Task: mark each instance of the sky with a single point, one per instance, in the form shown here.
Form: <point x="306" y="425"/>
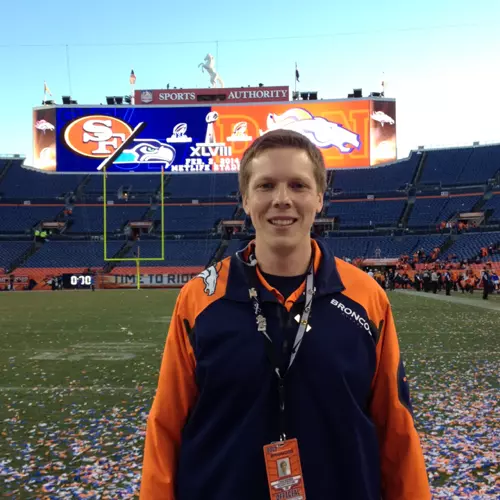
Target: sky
<point x="440" y="58"/>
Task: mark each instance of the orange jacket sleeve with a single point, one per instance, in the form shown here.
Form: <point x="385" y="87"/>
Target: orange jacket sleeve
<point x="175" y="396"/>
<point x="404" y="476"/>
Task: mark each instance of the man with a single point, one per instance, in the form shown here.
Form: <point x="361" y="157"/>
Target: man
<point x="485" y="281"/>
<point x="282" y="348"/>
<point x="448" y="282"/>
<point x="434" y="281"/>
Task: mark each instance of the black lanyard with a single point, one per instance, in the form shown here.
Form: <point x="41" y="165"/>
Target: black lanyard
<point x="262" y="328"/>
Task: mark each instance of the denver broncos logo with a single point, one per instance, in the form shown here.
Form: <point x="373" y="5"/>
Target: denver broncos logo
<point x="209" y="277"/>
<point x="321" y="132"/>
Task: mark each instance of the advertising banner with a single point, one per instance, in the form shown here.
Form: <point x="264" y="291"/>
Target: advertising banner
<point x="145" y="139"/>
<point x="18" y="282"/>
<point x="44" y="139"/>
<point x="151" y="278"/>
<point x="226" y="95"/>
<point x="120" y="277"/>
<point x="382" y="132"/>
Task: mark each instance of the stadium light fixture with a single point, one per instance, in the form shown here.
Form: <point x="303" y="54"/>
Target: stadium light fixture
<point x="66" y="99"/>
<point x="110" y="100"/>
<point x="118" y="99"/>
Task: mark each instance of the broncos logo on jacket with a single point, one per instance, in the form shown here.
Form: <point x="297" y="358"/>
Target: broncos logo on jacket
<point x="209" y="277"/>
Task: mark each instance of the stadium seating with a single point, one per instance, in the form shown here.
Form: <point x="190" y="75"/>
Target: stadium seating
<point x="457" y="205"/>
<point x="429" y="211"/>
<point x="366" y="213"/>
<point x="90" y="219"/>
<point x="462" y="165"/>
<point x="194" y="224"/>
<point x="202" y="186"/>
<point x="10" y="251"/>
<point x="72" y="254"/>
<point x="133" y="183"/>
<point x="374" y="180"/>
<point x="493" y="204"/>
<point x="469" y="245"/>
<point x="21" y="183"/>
<point x="371" y="247"/>
<point x="177" y="252"/>
<point x="194" y="218"/>
<point x="22" y="218"/>
<point x="382" y="246"/>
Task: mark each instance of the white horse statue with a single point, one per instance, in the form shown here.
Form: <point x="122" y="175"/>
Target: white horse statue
<point x="208" y="65"/>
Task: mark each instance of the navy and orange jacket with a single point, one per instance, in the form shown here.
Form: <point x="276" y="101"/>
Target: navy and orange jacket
<point x="347" y="396"/>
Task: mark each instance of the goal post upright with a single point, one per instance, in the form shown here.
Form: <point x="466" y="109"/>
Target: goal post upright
<point x="138" y="259"/>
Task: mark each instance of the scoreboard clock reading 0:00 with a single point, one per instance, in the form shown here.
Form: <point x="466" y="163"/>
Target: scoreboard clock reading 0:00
<point x="78" y="280"/>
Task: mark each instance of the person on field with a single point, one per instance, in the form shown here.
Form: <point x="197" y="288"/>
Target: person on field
<point x="486" y="283"/>
<point x="282" y="351"/>
<point x="448" y="282"/>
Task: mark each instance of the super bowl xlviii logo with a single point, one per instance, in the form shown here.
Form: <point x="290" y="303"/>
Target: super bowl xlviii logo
<point x="210" y="147"/>
<point x="239" y="133"/>
<point x="179" y="134"/>
<point x="146" y="96"/>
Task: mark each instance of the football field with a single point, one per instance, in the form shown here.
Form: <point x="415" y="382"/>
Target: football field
<point x="79" y="371"/>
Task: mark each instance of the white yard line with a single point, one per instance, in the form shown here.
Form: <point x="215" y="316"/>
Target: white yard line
<point x="483" y="304"/>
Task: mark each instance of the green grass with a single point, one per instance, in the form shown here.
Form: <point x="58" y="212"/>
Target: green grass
<point x="79" y="370"/>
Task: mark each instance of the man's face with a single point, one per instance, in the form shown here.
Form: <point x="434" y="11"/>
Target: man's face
<point x="282" y="198"/>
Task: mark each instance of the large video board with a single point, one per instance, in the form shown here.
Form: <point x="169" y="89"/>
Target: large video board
<point x="186" y="139"/>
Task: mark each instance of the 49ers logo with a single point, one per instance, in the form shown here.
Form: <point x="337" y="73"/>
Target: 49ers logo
<point x="96" y="136"/>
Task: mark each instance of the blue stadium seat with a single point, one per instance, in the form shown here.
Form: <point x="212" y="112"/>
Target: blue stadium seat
<point x="461" y="165"/>
<point x="382" y="246"/>
<point x="493" y="204"/>
<point x="431" y="211"/>
<point x="468" y="245"/>
<point x="10" y="251"/>
<point x="27" y="184"/>
<point x="370" y="247"/>
<point x="72" y="254"/>
<point x="362" y="213"/>
<point x="137" y="183"/>
<point x="22" y="218"/>
<point x="193" y="218"/>
<point x="90" y="219"/>
<point x="185" y="252"/>
<point x="376" y="179"/>
<point x="200" y="186"/>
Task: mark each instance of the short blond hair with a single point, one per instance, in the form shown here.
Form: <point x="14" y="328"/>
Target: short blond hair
<point x="280" y="139"/>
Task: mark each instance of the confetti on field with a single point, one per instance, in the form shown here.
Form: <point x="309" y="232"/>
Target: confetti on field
<point x="90" y="453"/>
<point x="83" y="437"/>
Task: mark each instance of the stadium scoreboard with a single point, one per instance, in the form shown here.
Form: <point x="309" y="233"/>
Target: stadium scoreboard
<point x="77" y="280"/>
<point x="350" y="133"/>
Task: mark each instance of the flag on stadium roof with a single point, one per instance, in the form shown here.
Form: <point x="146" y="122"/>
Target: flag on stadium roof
<point x="46" y="89"/>
<point x="297" y="75"/>
<point x="132" y="78"/>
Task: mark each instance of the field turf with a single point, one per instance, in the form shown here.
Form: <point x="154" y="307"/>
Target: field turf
<point x="79" y="370"/>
